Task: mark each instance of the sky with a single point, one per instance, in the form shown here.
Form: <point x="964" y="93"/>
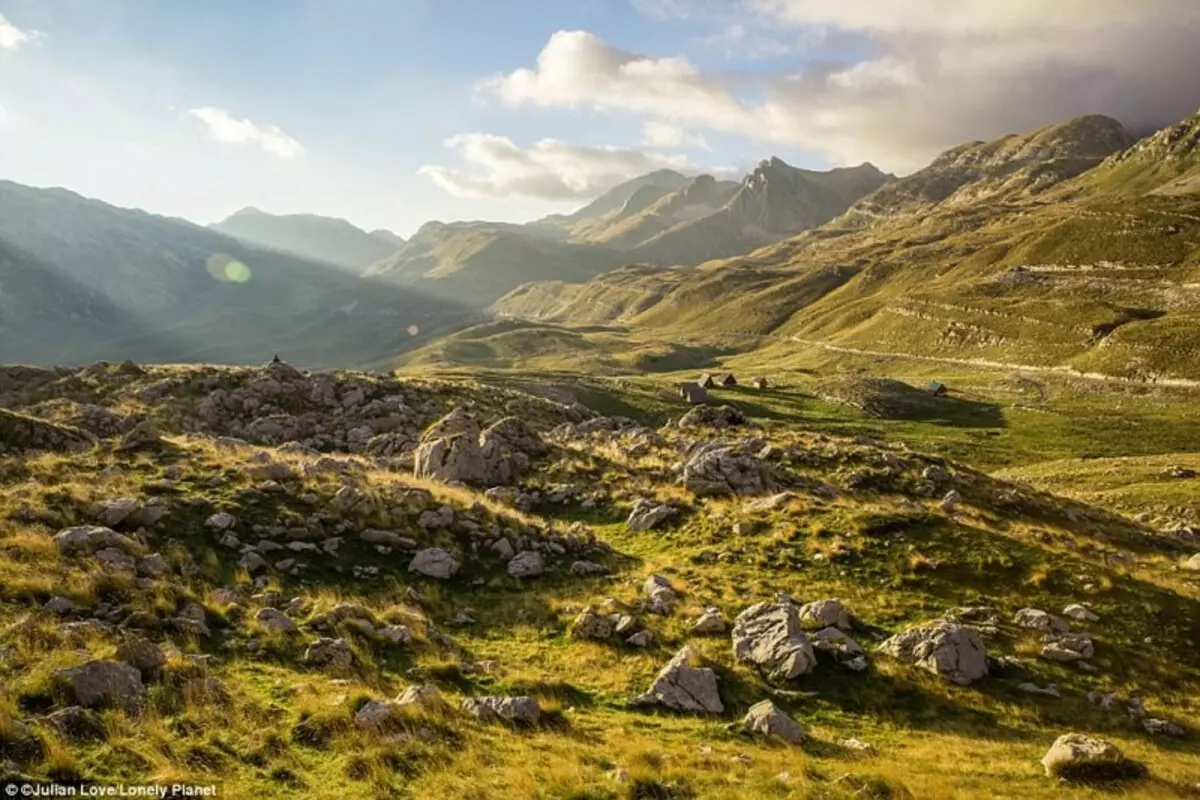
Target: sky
<point x="391" y="113"/>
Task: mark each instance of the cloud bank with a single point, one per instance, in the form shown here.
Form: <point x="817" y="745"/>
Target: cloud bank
<point x="550" y="170"/>
<point x="224" y="127"/>
<point x="927" y="74"/>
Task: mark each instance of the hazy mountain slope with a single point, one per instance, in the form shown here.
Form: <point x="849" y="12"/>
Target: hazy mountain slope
<point x="645" y="188"/>
<point x="393" y="239"/>
<point x="335" y="241"/>
<point x="44" y="311"/>
<point x="479" y="263"/>
<point x="698" y="198"/>
<point x="191" y="293"/>
<point x="774" y="201"/>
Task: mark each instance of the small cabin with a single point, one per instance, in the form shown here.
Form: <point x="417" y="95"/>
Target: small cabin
<point x="937" y="388"/>
<point x="707" y="381"/>
<point x="759" y="382"/>
<point x="725" y="379"/>
<point x="693" y="393"/>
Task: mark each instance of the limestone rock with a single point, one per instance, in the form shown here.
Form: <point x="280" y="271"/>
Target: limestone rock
<point x="434" y="562"/>
<point x="682" y="687"/>
<point x="1080" y="613"/>
<point x="276" y="621"/>
<point x="767" y="719"/>
<point x="949" y="649"/>
<point x="88" y="539"/>
<point x="714" y="470"/>
<point x="143" y="655"/>
<point x="769" y="636"/>
<point x="526" y="564"/>
<point x="647" y="515"/>
<point x="844" y="650"/>
<point x="522" y="710"/>
<point x="824" y="614"/>
<point x="1038" y="620"/>
<point x="592" y="625"/>
<point x="662" y="597"/>
<point x="712" y="621"/>
<point x="422" y="696"/>
<point x="1084" y="759"/>
<point x="334" y="654"/>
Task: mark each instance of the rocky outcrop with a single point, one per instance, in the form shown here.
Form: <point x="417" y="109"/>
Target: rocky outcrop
<point x="19" y="432"/>
<point x="434" y="562"/>
<point x="105" y="684"/>
<point x="522" y="710"/>
<point x="454" y="450"/>
<point x="769" y="636"/>
<point x="715" y="470"/>
<point x="949" y="649"/>
<point x="647" y="515"/>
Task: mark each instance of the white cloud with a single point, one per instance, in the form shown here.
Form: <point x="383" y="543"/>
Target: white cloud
<point x="736" y="39"/>
<point x="224" y="127"/>
<point x="935" y="73"/>
<point x="550" y="170"/>
<point x="656" y="133"/>
<point x="12" y="37"/>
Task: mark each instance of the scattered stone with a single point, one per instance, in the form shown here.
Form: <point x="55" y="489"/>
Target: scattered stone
<point x="1038" y="620"/>
<point x="1080" y="613"/>
<point x="88" y="539"/>
<point x="844" y="650"/>
<point x="434" y="562"/>
<point x="583" y="568"/>
<point x="859" y="745"/>
<point x="221" y="521"/>
<point x="767" y="719"/>
<point x="1077" y="758"/>
<point x="102" y="684"/>
<point x="769" y="636"/>
<point x="647" y="515"/>
<point x="526" y="564"/>
<point x="949" y="649"/>
<point x="682" y="687"/>
<point x="334" y="654"/>
<point x="395" y="634"/>
<point x="142" y="654"/>
<point x="1161" y="727"/>
<point x="824" y="614"/>
<point x="276" y="621"/>
<point x="153" y="566"/>
<point x="712" y="621"/>
<point x="1068" y="647"/>
<point x="1032" y="688"/>
<point x="592" y="625"/>
<point x="641" y="639"/>
<point x="422" y="696"/>
<point x="715" y="470"/>
<point x="59" y="606"/>
<point x="522" y="710"/>
<point x="375" y="715"/>
<point x="662" y="597"/>
<point x="144" y="434"/>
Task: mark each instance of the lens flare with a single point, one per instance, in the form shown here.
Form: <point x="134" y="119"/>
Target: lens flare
<point x="227" y="269"/>
<point x="413" y="330"/>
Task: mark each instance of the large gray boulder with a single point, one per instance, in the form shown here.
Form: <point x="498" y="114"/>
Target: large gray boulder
<point x="1084" y="759"/>
<point x="1038" y="620"/>
<point x="647" y="515"/>
<point x="682" y="687"/>
<point x="434" y="562"/>
<point x="105" y="684"/>
<point x="949" y="649"/>
<point x="333" y="654"/>
<point x="526" y="564"/>
<point x="522" y="710"/>
<point x="769" y="636"/>
<point x="825" y="613"/>
<point x="457" y="458"/>
<point x="767" y="719"/>
<point x="88" y="539"/>
<point x="715" y="470"/>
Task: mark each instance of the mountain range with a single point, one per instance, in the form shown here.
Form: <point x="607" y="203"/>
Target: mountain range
<point x="849" y="257"/>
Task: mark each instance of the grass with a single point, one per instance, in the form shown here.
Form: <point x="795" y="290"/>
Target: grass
<point x="887" y="551"/>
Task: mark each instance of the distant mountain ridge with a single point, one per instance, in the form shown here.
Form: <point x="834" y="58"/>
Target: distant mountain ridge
<point x="334" y="241"/>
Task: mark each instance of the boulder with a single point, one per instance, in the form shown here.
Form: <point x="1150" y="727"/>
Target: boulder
<point x="824" y="614"/>
<point x="434" y="562"/>
<point x="769" y="636"/>
<point x="457" y="458"/>
<point x="592" y="625"/>
<point x="422" y="696"/>
<point x="103" y="684"/>
<point x="375" y="715"/>
<point x="949" y="649"/>
<point x="142" y="654"/>
<point x="712" y="621"/>
<point x="334" y="654"/>
<point x="88" y="539"/>
<point x="144" y="435"/>
<point x="1078" y="758"/>
<point x="395" y="634"/>
<point x="584" y="568"/>
<point x="714" y="470"/>
<point x="522" y="710"/>
<point x="712" y="417"/>
<point x="647" y="515"/>
<point x="766" y="719"/>
<point x="1068" y="647"/>
<point x="682" y="687"/>
<point x="1193" y="563"/>
<point x="1038" y="620"/>
<point x="844" y="650"/>
<point x="662" y="597"/>
<point x="526" y="564"/>
<point x="1080" y="613"/>
<point x="275" y="621"/>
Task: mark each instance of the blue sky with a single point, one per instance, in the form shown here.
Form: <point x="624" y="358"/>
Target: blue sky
<point x="346" y="108"/>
